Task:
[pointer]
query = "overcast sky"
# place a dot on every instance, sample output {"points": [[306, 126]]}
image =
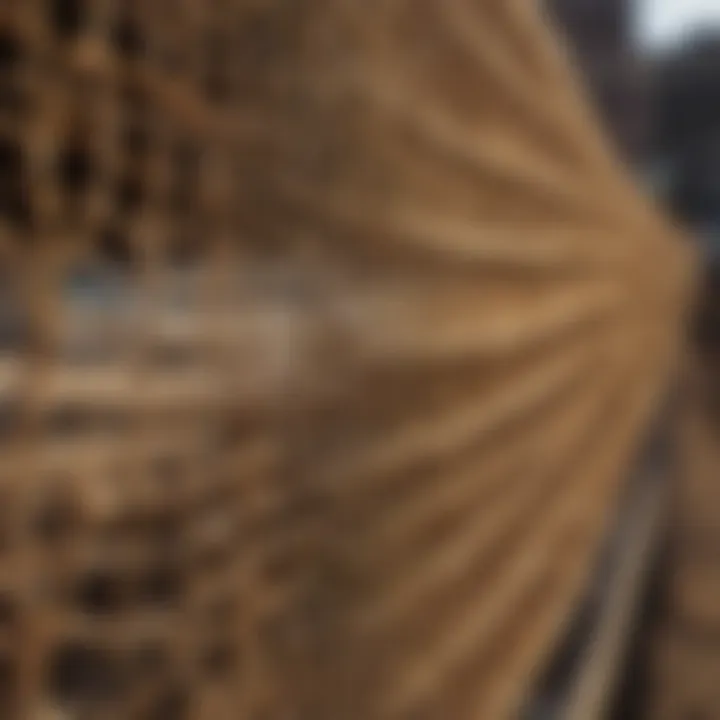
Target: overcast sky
{"points": [[662, 22]]}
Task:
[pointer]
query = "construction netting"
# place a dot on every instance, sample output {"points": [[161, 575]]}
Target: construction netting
{"points": [[328, 329]]}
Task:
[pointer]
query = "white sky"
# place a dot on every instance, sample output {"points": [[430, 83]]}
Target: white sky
{"points": [[663, 22]]}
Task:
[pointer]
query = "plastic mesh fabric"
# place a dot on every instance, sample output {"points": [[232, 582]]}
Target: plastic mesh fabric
{"points": [[328, 329]]}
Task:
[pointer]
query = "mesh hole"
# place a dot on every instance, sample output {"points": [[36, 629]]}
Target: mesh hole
{"points": [[173, 704], [14, 333], [127, 37], [134, 97], [8, 611], [172, 356], [80, 673], [212, 557], [14, 202], [12, 99], [217, 83], [185, 250], [100, 592], [217, 86], [136, 140], [114, 246], [181, 196], [8, 685], [129, 194], [9, 51], [150, 659], [56, 519], [14, 324], [219, 659], [161, 585], [6, 527], [185, 163], [185, 158], [67, 17], [165, 530], [74, 420], [75, 169], [222, 612]]}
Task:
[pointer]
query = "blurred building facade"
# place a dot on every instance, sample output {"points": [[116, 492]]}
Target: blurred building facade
{"points": [[601, 40], [687, 138]]}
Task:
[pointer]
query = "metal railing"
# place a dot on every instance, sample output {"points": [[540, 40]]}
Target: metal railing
{"points": [[585, 676]]}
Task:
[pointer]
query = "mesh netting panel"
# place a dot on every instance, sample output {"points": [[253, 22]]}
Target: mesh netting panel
{"points": [[327, 330]]}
